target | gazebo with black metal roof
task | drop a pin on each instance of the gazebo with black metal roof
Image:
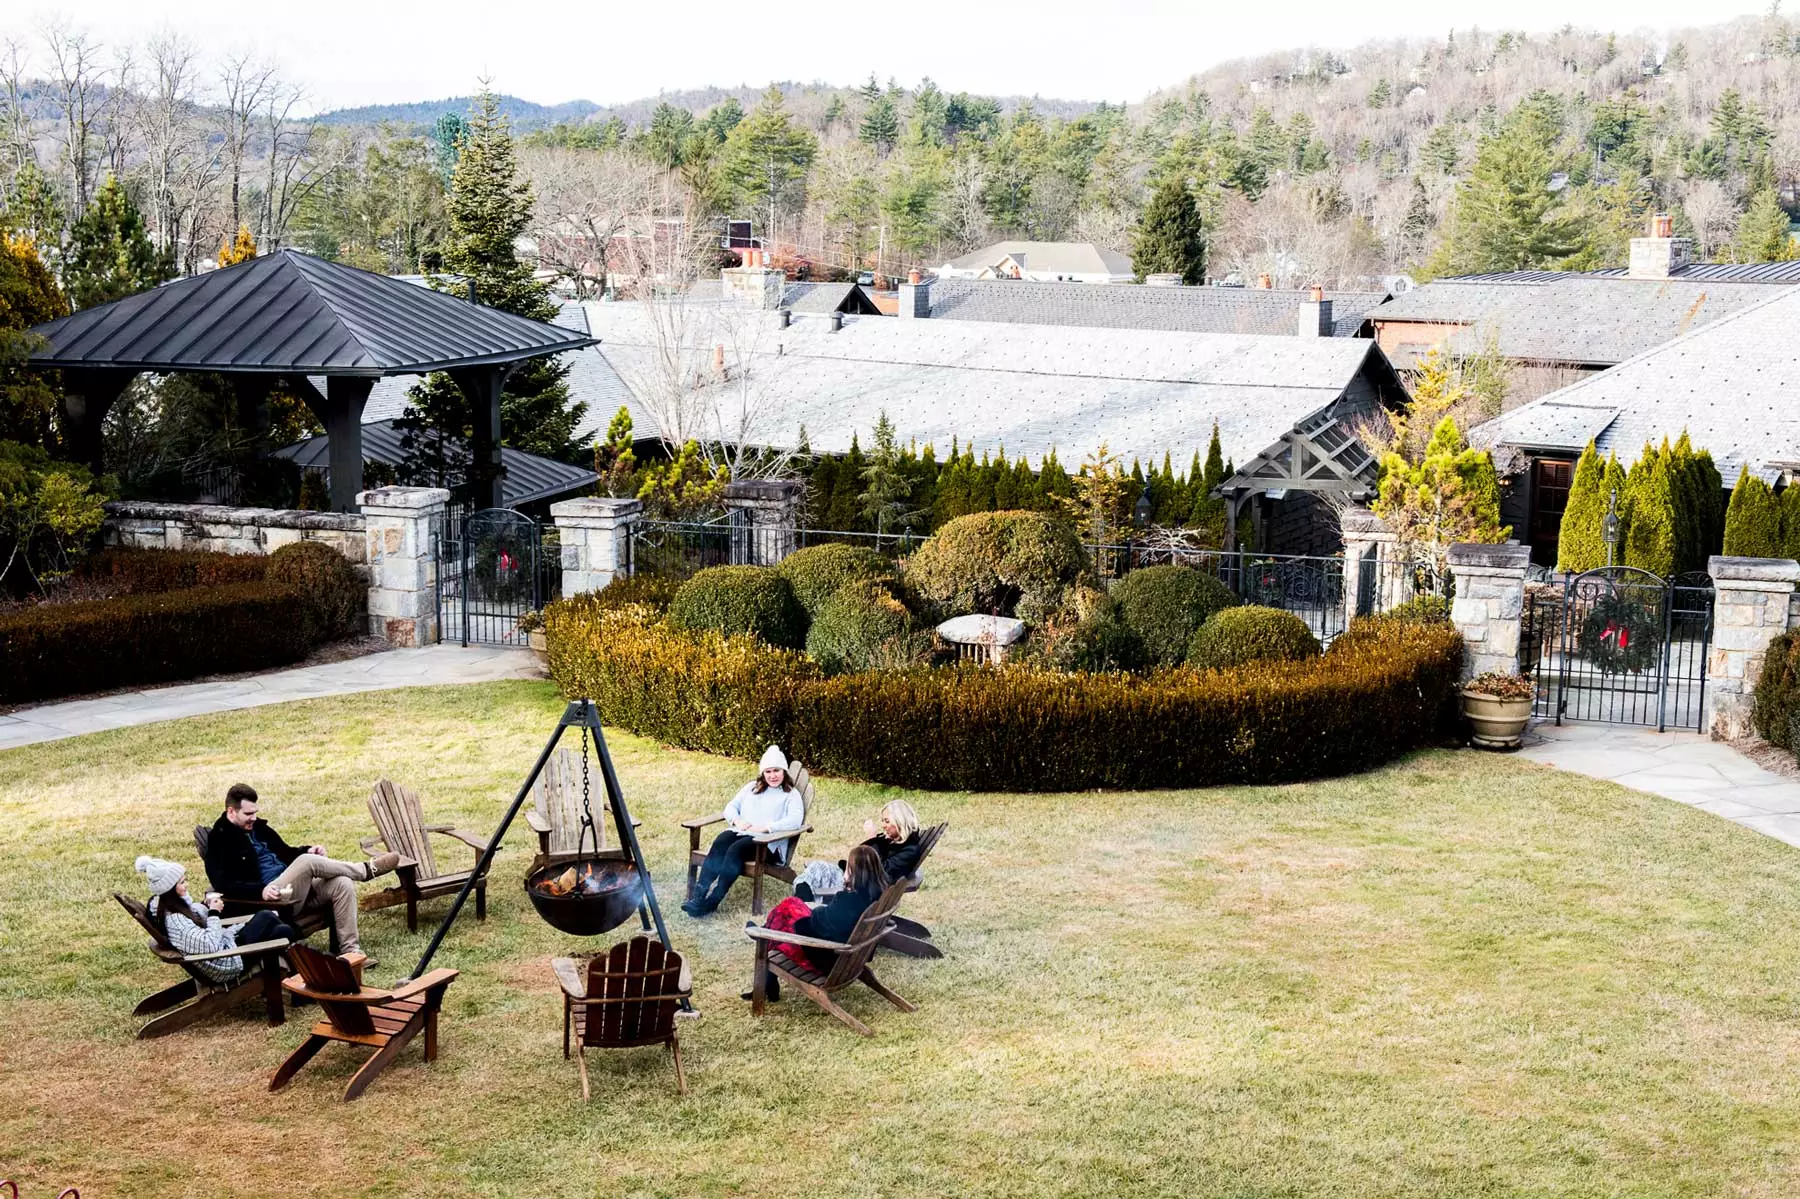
(284, 317)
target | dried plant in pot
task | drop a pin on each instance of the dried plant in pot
(1498, 707)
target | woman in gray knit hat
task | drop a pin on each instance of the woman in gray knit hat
(193, 928)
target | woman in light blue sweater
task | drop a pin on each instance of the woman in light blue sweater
(767, 804)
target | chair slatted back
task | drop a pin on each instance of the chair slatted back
(325, 973)
(927, 842)
(803, 783)
(202, 838)
(140, 912)
(401, 822)
(864, 938)
(558, 798)
(640, 983)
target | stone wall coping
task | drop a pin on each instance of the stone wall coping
(1754, 570)
(404, 499)
(781, 490)
(595, 508)
(1493, 557)
(1361, 521)
(220, 514)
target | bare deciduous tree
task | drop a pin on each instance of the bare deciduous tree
(76, 85)
(245, 85)
(585, 202)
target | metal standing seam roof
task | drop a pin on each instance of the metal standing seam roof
(1136, 306)
(292, 313)
(528, 477)
(1729, 385)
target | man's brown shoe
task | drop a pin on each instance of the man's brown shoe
(381, 863)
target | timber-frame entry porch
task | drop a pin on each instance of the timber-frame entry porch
(1319, 455)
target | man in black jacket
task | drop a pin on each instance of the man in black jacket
(246, 859)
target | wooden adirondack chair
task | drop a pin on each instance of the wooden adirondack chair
(774, 851)
(621, 999)
(555, 814)
(304, 921)
(261, 975)
(851, 965)
(357, 1015)
(401, 820)
(909, 938)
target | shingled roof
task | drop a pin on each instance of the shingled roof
(1135, 306)
(1729, 385)
(292, 313)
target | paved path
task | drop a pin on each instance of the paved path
(1687, 767)
(372, 672)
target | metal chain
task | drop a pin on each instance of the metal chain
(587, 809)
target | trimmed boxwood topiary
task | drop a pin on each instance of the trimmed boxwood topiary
(817, 572)
(1164, 605)
(1098, 645)
(1021, 564)
(861, 626)
(1251, 633)
(654, 591)
(741, 599)
(337, 598)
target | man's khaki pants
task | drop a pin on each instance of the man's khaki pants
(320, 882)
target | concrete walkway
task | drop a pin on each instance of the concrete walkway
(1687, 767)
(373, 672)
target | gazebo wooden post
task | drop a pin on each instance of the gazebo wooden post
(87, 394)
(345, 396)
(483, 385)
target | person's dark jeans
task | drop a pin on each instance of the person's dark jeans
(724, 865)
(264, 926)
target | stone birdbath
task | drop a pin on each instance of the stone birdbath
(983, 638)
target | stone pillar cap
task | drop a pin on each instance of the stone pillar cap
(1494, 557)
(764, 489)
(1361, 520)
(1753, 570)
(596, 506)
(403, 497)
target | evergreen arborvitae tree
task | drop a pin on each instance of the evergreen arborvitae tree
(819, 488)
(241, 248)
(884, 503)
(1753, 519)
(1208, 510)
(1712, 494)
(1055, 481)
(1578, 545)
(1006, 497)
(981, 494)
(1614, 489)
(109, 255)
(1169, 238)
(845, 512)
(1790, 522)
(1763, 232)
(1651, 544)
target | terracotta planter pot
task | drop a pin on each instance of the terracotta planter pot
(537, 640)
(1495, 723)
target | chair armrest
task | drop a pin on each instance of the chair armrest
(701, 822)
(756, 933)
(250, 950)
(784, 835)
(371, 844)
(233, 921)
(569, 976)
(440, 977)
(370, 995)
(538, 823)
(470, 839)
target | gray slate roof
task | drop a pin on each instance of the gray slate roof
(1025, 388)
(1135, 306)
(292, 313)
(1055, 257)
(1730, 385)
(528, 478)
(1588, 319)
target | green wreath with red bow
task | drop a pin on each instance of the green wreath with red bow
(1620, 634)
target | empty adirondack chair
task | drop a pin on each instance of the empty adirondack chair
(400, 819)
(200, 996)
(909, 938)
(774, 851)
(621, 999)
(555, 814)
(386, 1021)
(304, 921)
(851, 965)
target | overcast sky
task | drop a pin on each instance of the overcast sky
(379, 51)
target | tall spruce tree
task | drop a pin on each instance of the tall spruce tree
(767, 156)
(885, 501)
(1763, 234)
(1169, 238)
(1578, 544)
(109, 255)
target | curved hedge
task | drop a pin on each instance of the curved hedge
(741, 599)
(1385, 687)
(1164, 605)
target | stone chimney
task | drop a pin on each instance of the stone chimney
(1662, 254)
(1314, 315)
(1265, 282)
(1162, 279)
(915, 297)
(757, 285)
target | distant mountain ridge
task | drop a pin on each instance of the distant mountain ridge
(522, 113)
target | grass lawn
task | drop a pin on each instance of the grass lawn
(1459, 976)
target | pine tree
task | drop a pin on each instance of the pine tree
(1169, 238)
(109, 255)
(1763, 232)
(1506, 217)
(766, 157)
(884, 503)
(1578, 545)
(614, 459)
(880, 126)
(1753, 519)
(241, 248)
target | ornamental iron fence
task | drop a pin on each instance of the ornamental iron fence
(495, 565)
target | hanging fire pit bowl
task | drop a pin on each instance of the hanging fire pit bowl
(585, 897)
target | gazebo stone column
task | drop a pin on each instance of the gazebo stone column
(1368, 545)
(765, 515)
(596, 541)
(1751, 598)
(1489, 604)
(401, 527)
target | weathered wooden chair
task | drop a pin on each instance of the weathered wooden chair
(304, 921)
(386, 1021)
(200, 996)
(622, 999)
(400, 819)
(774, 851)
(850, 966)
(909, 938)
(555, 814)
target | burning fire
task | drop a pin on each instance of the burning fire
(586, 878)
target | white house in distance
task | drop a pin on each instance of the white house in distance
(1042, 262)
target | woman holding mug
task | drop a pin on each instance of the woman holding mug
(769, 803)
(193, 928)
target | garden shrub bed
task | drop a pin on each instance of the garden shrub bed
(1384, 688)
(151, 637)
(146, 572)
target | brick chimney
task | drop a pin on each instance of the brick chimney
(1314, 318)
(754, 284)
(1661, 254)
(915, 297)
(1265, 282)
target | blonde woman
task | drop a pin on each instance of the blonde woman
(894, 836)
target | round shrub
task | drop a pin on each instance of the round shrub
(1250, 633)
(653, 591)
(1021, 564)
(817, 572)
(1422, 609)
(741, 599)
(336, 597)
(1097, 645)
(861, 626)
(1164, 605)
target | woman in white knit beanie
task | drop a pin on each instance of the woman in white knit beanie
(192, 928)
(766, 804)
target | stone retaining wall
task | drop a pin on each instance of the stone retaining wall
(138, 524)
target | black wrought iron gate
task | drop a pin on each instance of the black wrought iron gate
(494, 566)
(1621, 645)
